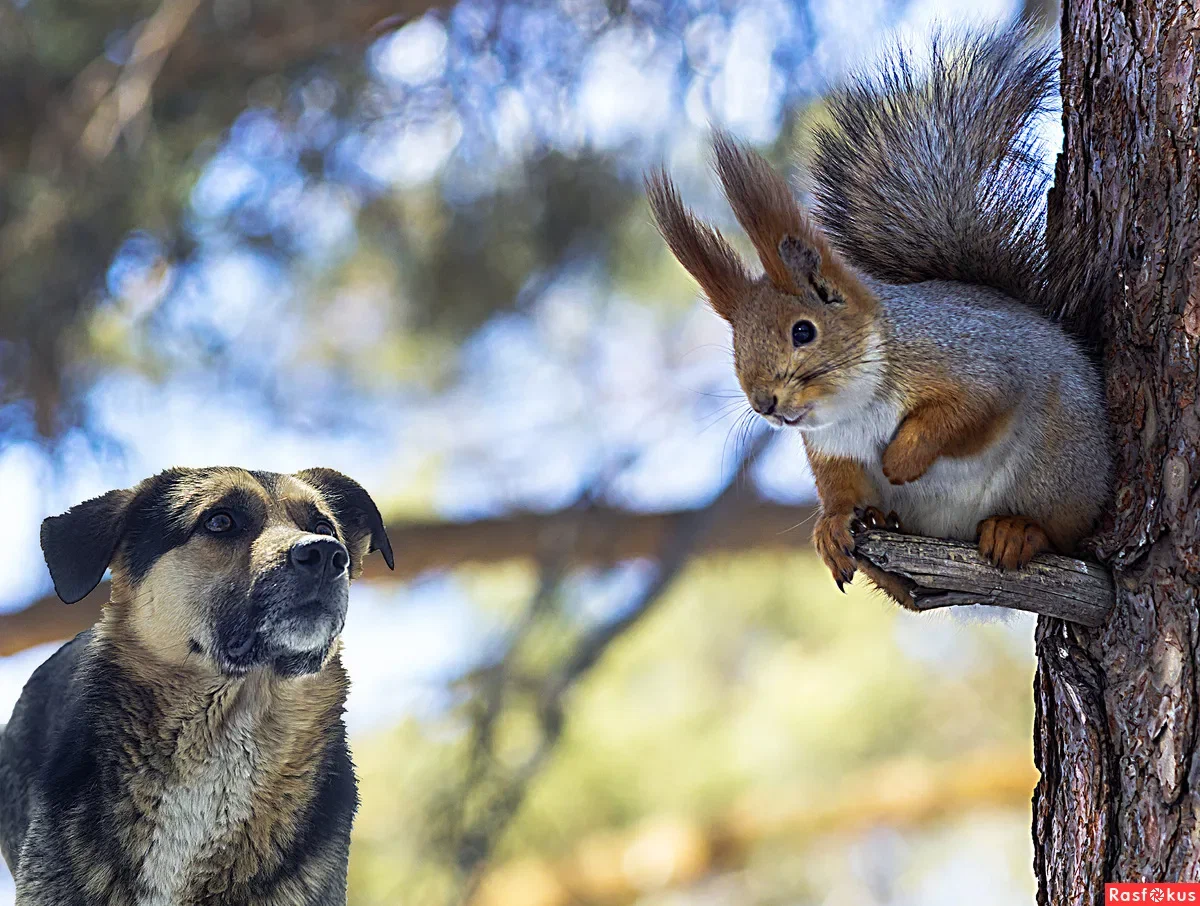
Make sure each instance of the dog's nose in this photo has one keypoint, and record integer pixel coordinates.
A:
(764, 403)
(320, 557)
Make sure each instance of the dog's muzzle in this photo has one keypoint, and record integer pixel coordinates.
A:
(314, 609)
(296, 613)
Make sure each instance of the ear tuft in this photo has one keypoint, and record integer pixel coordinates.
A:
(700, 248)
(353, 507)
(764, 205)
(79, 544)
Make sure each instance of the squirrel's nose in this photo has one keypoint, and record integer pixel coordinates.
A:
(764, 403)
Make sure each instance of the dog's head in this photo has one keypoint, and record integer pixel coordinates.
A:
(244, 569)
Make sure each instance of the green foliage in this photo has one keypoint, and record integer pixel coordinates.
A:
(753, 677)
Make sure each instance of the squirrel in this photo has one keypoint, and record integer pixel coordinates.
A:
(906, 329)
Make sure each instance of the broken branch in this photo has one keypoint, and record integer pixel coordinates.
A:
(952, 573)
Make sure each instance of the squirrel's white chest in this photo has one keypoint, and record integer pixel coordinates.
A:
(949, 500)
(862, 437)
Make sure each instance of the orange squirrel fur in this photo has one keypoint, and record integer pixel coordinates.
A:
(958, 409)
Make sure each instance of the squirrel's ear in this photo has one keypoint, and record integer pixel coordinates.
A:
(769, 213)
(802, 260)
(700, 248)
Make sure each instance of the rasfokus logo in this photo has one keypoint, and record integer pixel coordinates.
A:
(1152, 893)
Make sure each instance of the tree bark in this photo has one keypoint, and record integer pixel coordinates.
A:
(954, 574)
(1116, 707)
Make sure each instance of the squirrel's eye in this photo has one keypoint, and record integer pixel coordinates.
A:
(218, 523)
(323, 528)
(803, 332)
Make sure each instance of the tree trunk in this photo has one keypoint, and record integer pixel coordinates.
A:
(1116, 721)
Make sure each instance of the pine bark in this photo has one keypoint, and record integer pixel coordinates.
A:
(1116, 707)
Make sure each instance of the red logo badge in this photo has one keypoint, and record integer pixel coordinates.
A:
(1152, 893)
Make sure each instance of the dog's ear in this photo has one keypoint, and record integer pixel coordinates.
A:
(353, 507)
(79, 544)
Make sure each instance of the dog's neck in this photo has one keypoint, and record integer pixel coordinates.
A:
(211, 776)
(193, 705)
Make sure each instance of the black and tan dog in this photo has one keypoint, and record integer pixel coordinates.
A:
(189, 749)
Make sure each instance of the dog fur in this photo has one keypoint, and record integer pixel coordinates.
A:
(190, 748)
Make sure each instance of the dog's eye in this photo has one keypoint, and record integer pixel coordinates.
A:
(218, 523)
(323, 528)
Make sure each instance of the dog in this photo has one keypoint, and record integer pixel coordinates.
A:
(190, 748)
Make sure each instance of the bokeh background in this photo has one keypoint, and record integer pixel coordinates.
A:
(407, 240)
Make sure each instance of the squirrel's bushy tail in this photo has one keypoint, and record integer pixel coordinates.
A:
(931, 171)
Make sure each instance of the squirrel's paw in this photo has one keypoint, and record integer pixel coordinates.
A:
(1010, 542)
(871, 517)
(835, 543)
(905, 462)
(895, 587)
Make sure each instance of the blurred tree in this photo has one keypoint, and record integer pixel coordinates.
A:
(424, 174)
(1117, 707)
(456, 152)
(103, 109)
(712, 740)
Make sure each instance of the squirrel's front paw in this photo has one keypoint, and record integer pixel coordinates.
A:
(904, 462)
(835, 544)
(871, 517)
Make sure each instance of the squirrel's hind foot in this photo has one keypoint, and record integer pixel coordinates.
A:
(1010, 542)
